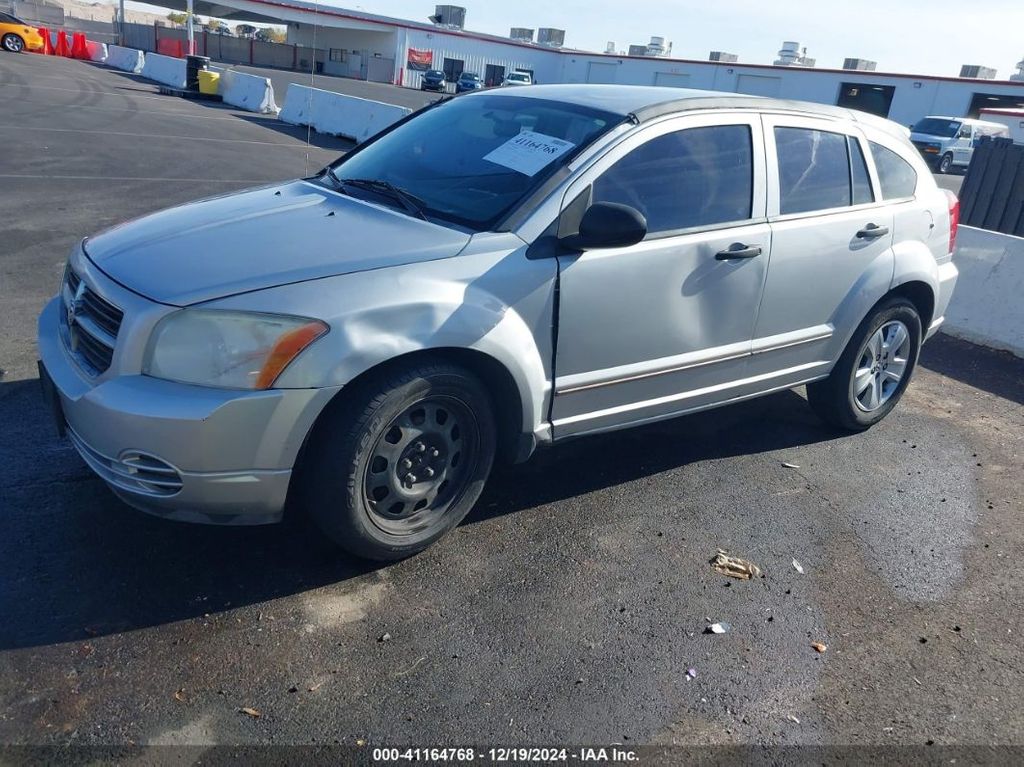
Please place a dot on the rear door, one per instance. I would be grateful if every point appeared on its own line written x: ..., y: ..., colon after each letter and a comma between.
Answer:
x: 829, y: 229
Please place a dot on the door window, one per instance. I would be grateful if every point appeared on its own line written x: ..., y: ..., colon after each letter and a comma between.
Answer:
x: 895, y: 175
x: 859, y: 174
x: 814, y: 170
x: 696, y: 177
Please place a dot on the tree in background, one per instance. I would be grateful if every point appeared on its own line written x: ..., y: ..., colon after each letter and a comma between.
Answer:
x: 177, y: 18
x: 272, y: 35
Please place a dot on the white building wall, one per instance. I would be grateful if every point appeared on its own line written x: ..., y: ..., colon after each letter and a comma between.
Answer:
x: 360, y: 48
x: 475, y: 54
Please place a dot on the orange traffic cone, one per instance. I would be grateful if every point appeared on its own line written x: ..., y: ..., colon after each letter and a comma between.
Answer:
x: 78, y: 47
x: 62, y: 44
x: 47, y: 42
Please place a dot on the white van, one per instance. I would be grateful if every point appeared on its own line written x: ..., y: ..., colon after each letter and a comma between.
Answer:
x: 948, y: 142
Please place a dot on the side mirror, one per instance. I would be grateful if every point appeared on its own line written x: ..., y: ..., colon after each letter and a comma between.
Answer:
x: 608, y: 225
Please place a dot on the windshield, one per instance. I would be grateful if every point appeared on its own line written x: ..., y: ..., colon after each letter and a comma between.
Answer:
x: 470, y: 76
x: 937, y: 126
x: 433, y: 73
x: 471, y: 159
x: 518, y: 78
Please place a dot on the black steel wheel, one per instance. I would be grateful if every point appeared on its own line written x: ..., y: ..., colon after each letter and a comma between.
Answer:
x: 399, y: 460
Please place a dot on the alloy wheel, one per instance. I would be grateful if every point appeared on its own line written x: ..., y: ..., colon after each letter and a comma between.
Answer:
x: 882, y: 365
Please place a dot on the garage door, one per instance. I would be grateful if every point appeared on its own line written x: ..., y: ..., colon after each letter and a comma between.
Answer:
x: 758, y: 85
x: 673, y: 79
x: 380, y: 70
x: 599, y: 72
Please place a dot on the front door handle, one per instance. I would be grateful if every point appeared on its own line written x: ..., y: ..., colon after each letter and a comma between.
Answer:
x: 871, y: 231
x: 738, y: 250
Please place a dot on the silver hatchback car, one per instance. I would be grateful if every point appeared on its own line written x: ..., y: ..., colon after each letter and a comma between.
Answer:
x: 571, y: 259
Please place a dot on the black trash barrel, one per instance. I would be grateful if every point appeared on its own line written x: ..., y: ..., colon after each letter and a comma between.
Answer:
x: 193, y: 66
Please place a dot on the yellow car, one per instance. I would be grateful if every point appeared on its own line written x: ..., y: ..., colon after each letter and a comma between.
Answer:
x: 17, y: 36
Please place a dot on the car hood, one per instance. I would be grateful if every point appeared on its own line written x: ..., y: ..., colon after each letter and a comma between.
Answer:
x: 260, y: 238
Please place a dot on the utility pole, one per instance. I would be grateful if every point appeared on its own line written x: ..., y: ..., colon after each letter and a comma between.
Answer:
x: 120, y: 22
x: 191, y: 32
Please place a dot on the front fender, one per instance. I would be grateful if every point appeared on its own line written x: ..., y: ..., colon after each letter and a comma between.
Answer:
x: 490, y: 299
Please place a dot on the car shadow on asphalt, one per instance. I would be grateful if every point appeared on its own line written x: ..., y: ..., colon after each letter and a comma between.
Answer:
x: 997, y: 372
x: 76, y: 563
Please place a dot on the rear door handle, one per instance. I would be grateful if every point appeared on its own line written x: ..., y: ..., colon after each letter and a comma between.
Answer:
x: 871, y: 231
x: 738, y: 250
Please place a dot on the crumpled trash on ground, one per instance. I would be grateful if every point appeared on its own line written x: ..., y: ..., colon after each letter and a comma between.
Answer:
x: 734, y: 567
x: 717, y: 628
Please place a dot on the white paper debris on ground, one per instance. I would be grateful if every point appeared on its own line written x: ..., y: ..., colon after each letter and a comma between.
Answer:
x: 798, y: 567
x: 789, y: 465
x: 719, y: 628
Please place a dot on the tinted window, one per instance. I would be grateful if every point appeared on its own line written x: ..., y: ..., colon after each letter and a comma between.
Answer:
x: 694, y: 177
x: 814, y: 170
x: 859, y: 175
x: 895, y: 175
x: 6, y: 18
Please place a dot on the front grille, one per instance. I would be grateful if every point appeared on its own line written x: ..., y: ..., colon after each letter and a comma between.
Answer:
x: 89, y: 324
x: 134, y: 472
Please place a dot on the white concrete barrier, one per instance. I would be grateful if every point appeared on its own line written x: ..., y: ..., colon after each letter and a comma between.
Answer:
x: 167, y: 70
x: 125, y: 59
x: 988, y: 302
x: 249, y: 92
x: 338, y: 114
x: 97, y: 51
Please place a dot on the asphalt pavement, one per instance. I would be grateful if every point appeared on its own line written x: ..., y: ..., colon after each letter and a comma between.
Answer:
x: 570, y: 605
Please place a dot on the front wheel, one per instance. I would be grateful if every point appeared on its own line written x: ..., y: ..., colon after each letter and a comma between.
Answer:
x: 946, y: 163
x: 873, y: 371
x: 400, y: 461
x: 13, y: 43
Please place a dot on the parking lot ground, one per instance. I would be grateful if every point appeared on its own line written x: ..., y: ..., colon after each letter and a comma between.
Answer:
x: 571, y: 603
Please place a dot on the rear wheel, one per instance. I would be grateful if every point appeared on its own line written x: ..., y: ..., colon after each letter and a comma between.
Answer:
x: 946, y: 163
x: 874, y: 370
x: 13, y: 43
x: 401, y: 460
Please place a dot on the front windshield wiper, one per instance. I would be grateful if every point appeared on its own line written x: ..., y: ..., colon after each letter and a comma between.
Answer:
x: 412, y: 204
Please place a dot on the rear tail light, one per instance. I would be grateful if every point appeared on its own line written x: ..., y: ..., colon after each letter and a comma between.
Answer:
x: 954, y: 218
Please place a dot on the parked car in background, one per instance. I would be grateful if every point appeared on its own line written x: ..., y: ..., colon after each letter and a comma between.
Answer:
x: 463, y: 301
x: 434, y: 80
x: 468, y: 81
x: 948, y: 142
x: 518, y: 78
x: 17, y: 36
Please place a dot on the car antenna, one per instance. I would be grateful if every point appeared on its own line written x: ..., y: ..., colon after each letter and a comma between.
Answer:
x: 309, y: 103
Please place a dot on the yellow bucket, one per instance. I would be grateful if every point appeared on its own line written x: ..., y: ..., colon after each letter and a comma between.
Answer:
x: 208, y: 82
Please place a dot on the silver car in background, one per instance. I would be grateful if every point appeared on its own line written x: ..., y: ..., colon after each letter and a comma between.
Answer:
x: 569, y: 260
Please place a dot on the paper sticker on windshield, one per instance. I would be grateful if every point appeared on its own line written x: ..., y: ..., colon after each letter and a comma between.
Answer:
x: 529, y: 152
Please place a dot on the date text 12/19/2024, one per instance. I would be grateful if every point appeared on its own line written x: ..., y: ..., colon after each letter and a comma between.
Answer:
x: 505, y: 754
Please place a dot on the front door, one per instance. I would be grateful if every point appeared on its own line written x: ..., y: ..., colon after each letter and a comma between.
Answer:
x: 494, y: 75
x: 664, y: 326
x: 829, y: 227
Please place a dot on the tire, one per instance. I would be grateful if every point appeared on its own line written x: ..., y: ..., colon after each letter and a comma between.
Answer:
x: 12, y: 43
x: 359, y: 480
x: 945, y: 164
x: 842, y: 399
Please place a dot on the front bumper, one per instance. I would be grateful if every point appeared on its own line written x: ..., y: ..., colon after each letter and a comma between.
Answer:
x: 188, y: 453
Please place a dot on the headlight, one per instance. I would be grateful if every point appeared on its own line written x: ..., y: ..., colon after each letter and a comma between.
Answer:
x: 235, y: 350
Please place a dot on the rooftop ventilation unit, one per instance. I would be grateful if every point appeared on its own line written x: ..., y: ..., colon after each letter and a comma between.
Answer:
x: 977, y: 72
x: 792, y: 55
x: 450, y: 16
x: 725, y: 58
x: 860, y: 65
x: 554, y: 38
x: 610, y: 47
x: 1019, y: 77
x: 657, y: 47
x: 637, y: 50
x: 522, y: 34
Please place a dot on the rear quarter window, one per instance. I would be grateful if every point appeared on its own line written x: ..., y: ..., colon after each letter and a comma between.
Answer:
x: 896, y: 176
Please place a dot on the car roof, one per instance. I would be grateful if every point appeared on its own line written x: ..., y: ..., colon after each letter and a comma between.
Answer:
x: 645, y: 102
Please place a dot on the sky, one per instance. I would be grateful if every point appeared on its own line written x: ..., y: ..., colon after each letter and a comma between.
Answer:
x: 913, y: 36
